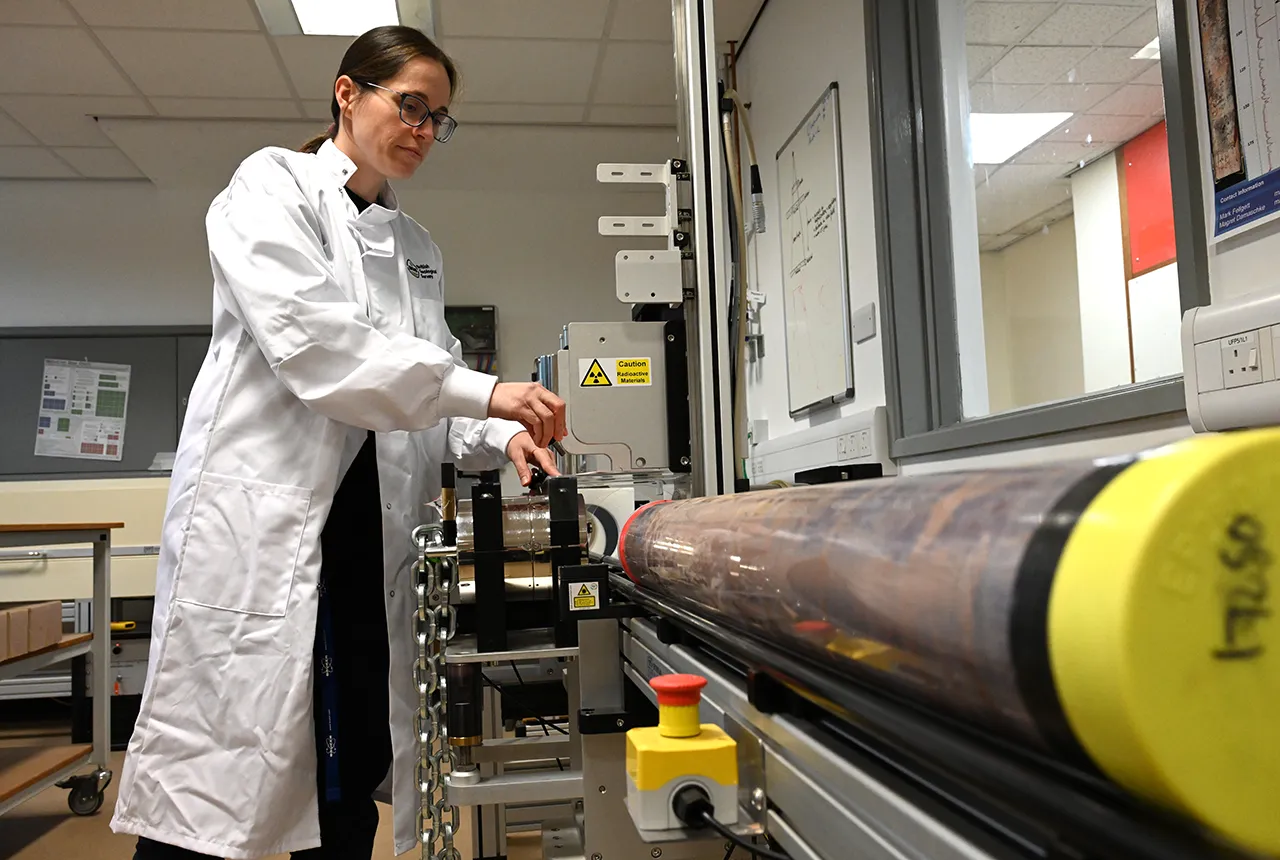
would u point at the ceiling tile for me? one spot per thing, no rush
(732, 18)
(56, 60)
(1029, 65)
(637, 73)
(506, 71)
(544, 19)
(1133, 100)
(13, 134)
(312, 63)
(1000, 98)
(979, 58)
(633, 115)
(1075, 98)
(1153, 76)
(31, 162)
(1005, 211)
(1107, 66)
(1068, 155)
(36, 12)
(198, 64)
(1101, 129)
(230, 108)
(169, 14)
(642, 20)
(1082, 24)
(517, 114)
(68, 120)
(1139, 33)
(318, 110)
(98, 163)
(1003, 23)
(1017, 178)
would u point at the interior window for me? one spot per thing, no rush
(1062, 211)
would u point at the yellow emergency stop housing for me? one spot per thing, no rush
(679, 752)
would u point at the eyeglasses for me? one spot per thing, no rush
(414, 112)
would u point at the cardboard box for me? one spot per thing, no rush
(19, 621)
(44, 627)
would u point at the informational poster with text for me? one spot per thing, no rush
(1240, 61)
(83, 409)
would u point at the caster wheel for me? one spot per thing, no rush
(84, 801)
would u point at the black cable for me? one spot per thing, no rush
(693, 807)
(732, 847)
(502, 691)
(545, 730)
(743, 843)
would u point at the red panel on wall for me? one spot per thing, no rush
(1149, 200)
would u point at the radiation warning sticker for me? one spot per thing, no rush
(595, 374)
(608, 372)
(586, 596)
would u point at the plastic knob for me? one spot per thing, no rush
(678, 700)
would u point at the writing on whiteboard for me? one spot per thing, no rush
(814, 281)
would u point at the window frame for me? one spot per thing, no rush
(914, 240)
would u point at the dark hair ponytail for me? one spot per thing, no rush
(378, 56)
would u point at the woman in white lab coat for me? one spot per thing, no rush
(331, 394)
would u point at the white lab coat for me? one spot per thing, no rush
(325, 321)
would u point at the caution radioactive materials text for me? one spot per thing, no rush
(608, 372)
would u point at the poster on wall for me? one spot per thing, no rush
(1240, 58)
(83, 409)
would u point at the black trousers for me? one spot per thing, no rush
(351, 544)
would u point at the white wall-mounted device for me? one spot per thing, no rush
(1230, 362)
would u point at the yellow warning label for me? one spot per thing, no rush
(633, 371)
(608, 372)
(595, 375)
(587, 597)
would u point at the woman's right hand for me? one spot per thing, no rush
(540, 411)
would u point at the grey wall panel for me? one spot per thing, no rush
(152, 408)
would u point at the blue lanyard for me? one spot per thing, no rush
(328, 723)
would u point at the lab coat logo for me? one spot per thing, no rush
(595, 375)
(420, 270)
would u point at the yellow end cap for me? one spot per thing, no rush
(1163, 648)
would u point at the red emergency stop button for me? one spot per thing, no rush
(678, 690)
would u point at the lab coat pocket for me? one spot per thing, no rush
(242, 545)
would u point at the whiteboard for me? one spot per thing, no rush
(815, 280)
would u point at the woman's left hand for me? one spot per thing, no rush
(522, 449)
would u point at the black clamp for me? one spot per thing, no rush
(679, 168)
(680, 239)
(609, 722)
(584, 595)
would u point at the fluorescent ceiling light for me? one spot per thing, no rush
(997, 137)
(344, 17)
(1149, 51)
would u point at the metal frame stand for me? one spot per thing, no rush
(61, 764)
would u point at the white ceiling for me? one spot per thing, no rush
(1032, 56)
(162, 89)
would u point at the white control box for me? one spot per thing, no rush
(1229, 356)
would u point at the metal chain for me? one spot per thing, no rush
(434, 625)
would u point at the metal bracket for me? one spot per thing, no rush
(648, 277)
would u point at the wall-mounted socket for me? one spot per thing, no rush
(1241, 360)
(1229, 360)
(861, 438)
(853, 446)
